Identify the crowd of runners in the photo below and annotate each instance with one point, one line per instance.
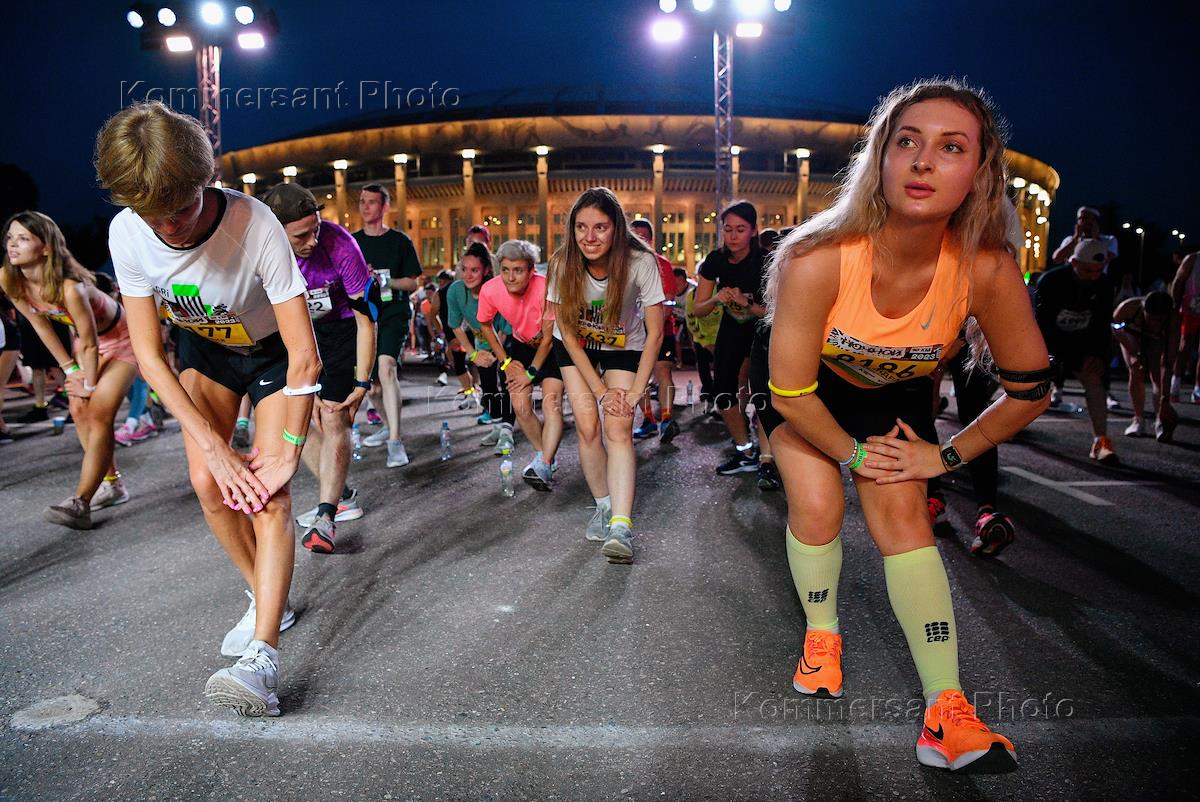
(265, 331)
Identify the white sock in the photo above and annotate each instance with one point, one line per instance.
(604, 503)
(131, 423)
(836, 629)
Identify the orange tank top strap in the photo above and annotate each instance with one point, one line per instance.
(870, 350)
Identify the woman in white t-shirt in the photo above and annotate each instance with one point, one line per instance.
(218, 265)
(607, 299)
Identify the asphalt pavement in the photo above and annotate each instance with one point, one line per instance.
(464, 645)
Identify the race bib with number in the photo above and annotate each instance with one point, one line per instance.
(183, 307)
(867, 365)
(59, 316)
(319, 302)
(594, 334)
(741, 314)
(384, 278)
(1069, 320)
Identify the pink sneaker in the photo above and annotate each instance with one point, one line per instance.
(126, 437)
(373, 417)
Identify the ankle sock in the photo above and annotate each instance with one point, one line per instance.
(327, 509)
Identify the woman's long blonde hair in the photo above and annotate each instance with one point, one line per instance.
(860, 209)
(58, 266)
(567, 269)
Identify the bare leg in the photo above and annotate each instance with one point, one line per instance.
(552, 428)
(530, 424)
(389, 383)
(1091, 376)
(272, 534)
(622, 459)
(592, 456)
(94, 424)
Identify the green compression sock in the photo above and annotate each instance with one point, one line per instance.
(815, 571)
(920, 596)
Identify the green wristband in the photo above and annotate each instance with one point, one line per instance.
(859, 458)
(530, 375)
(296, 440)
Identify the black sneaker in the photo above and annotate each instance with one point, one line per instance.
(768, 476)
(742, 462)
(668, 430)
(34, 415)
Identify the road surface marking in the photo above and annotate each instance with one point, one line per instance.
(1062, 487)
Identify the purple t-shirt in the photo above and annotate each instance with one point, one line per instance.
(335, 271)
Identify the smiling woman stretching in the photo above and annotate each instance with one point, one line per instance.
(865, 297)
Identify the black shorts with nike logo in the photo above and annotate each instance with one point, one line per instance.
(259, 373)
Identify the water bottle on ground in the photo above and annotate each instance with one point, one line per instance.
(506, 478)
(691, 389)
(447, 451)
(355, 443)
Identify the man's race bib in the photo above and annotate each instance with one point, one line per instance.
(867, 365)
(384, 279)
(319, 302)
(184, 307)
(1071, 321)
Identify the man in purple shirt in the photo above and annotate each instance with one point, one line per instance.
(338, 291)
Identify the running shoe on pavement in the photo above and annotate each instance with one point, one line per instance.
(954, 738)
(241, 438)
(110, 493)
(373, 417)
(741, 462)
(249, 685)
(768, 476)
(937, 511)
(348, 509)
(597, 528)
(618, 548)
(668, 430)
(73, 512)
(648, 429)
(538, 474)
(238, 639)
(485, 419)
(1111, 402)
(320, 536)
(376, 439)
(504, 441)
(1102, 451)
(34, 415)
(397, 455)
(124, 436)
(819, 671)
(994, 531)
(1136, 428)
(492, 437)
(442, 379)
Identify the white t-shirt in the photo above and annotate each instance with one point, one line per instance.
(644, 289)
(222, 288)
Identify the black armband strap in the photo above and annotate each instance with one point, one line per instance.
(369, 304)
(1044, 378)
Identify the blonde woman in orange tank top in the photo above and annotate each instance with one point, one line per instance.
(866, 300)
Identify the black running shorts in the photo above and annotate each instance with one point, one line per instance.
(260, 373)
(337, 345)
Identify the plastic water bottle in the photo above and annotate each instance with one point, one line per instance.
(355, 443)
(447, 451)
(506, 478)
(691, 389)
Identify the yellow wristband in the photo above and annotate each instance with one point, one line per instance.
(809, 390)
(471, 356)
(504, 365)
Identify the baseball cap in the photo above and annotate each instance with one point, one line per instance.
(1090, 250)
(291, 202)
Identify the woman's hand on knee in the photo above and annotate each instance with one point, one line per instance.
(894, 460)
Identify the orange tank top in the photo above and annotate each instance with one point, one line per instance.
(870, 350)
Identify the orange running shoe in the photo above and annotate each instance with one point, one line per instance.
(954, 738)
(820, 667)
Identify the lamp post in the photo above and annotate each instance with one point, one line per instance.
(184, 27)
(728, 18)
(1141, 232)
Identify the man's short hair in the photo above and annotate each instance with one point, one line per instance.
(643, 224)
(152, 159)
(381, 189)
(1090, 211)
(1158, 303)
(680, 273)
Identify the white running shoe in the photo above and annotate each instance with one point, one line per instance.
(110, 493)
(442, 379)
(397, 455)
(619, 546)
(538, 474)
(376, 439)
(1136, 429)
(238, 639)
(492, 437)
(249, 685)
(348, 509)
(504, 442)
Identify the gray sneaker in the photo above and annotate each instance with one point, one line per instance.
(241, 438)
(492, 437)
(73, 512)
(538, 474)
(597, 528)
(377, 439)
(110, 494)
(397, 455)
(238, 639)
(619, 546)
(249, 685)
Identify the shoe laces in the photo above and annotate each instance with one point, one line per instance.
(953, 706)
(820, 643)
(255, 661)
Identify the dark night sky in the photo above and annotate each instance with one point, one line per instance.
(1103, 91)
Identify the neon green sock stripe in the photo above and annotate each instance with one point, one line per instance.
(920, 597)
(815, 572)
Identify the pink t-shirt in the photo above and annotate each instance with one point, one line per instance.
(523, 312)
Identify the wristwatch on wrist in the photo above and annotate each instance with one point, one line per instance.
(951, 459)
(365, 384)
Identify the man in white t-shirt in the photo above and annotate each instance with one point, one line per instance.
(1087, 226)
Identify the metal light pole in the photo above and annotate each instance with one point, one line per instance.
(723, 117)
(208, 79)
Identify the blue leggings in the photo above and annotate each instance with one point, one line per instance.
(139, 393)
